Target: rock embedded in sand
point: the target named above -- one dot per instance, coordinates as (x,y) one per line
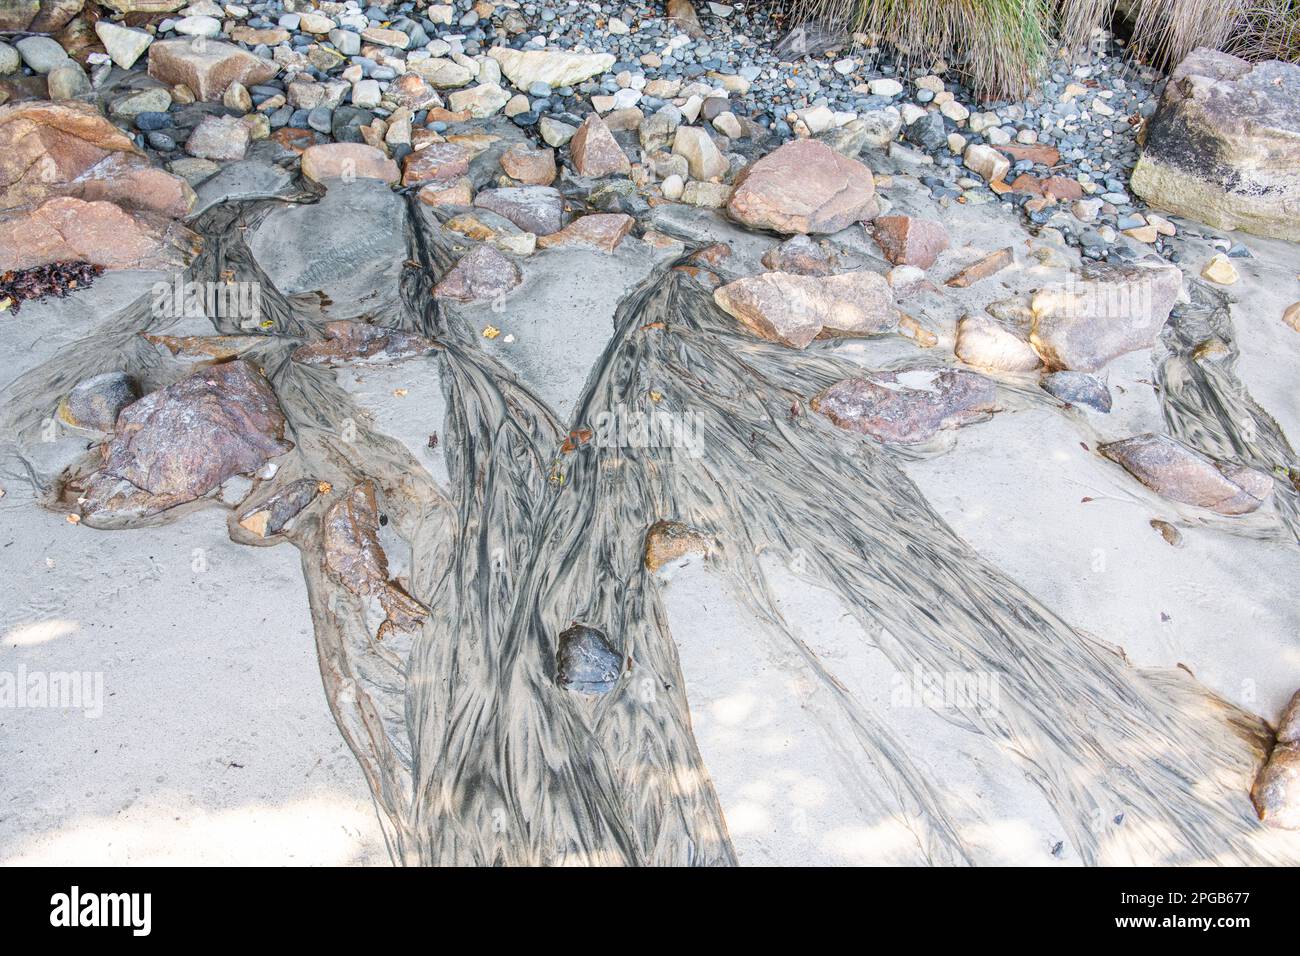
(989,265)
(70,149)
(907,240)
(347,341)
(603,231)
(1291,316)
(531,165)
(595,152)
(585,662)
(1223,147)
(65,229)
(207,68)
(984,343)
(356,558)
(181,442)
(1219,270)
(1114,309)
(96,402)
(795,309)
(1276,793)
(803,186)
(669,541)
(436,162)
(801,256)
(555,68)
(326,161)
(1077,388)
(1181,473)
(274,514)
(535,209)
(481,274)
(907,406)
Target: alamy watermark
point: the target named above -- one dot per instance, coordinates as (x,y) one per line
(239,301)
(975,691)
(53,690)
(623,427)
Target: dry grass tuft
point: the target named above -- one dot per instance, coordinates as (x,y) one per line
(1000,46)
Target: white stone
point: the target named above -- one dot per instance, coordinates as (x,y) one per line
(366,94)
(123,44)
(198,27)
(986,161)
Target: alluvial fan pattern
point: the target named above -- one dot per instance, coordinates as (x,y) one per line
(475,751)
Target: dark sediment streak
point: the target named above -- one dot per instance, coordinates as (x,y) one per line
(476,755)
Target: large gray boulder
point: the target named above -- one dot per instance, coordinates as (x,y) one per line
(1115,308)
(1224,146)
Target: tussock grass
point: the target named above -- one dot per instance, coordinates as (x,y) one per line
(1000,46)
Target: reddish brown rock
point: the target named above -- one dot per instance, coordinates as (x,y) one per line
(437,162)
(908,241)
(133,184)
(481,274)
(595,152)
(1039,154)
(410,90)
(1053,187)
(70,149)
(668,541)
(991,264)
(805,187)
(908,406)
(206,349)
(794,310)
(207,68)
(68,229)
(356,558)
(458,193)
(1174,470)
(347,341)
(603,231)
(347,161)
(533,166)
(181,442)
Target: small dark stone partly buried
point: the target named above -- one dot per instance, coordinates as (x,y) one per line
(96,402)
(1078,388)
(585,662)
